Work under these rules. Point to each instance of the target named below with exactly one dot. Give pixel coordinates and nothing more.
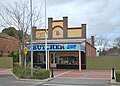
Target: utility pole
(31, 39)
(46, 39)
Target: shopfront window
(39, 57)
(68, 60)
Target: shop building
(90, 49)
(66, 47)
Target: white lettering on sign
(56, 47)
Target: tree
(11, 31)
(18, 15)
(114, 50)
(117, 42)
(101, 42)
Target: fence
(6, 62)
(103, 63)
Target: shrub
(18, 71)
(117, 73)
(37, 73)
(41, 73)
(15, 56)
(0, 54)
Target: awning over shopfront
(57, 41)
(58, 45)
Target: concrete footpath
(71, 74)
(60, 73)
(114, 83)
(5, 71)
(91, 74)
(86, 75)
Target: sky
(101, 16)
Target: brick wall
(90, 50)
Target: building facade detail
(66, 46)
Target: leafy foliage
(117, 73)
(13, 32)
(117, 42)
(0, 55)
(19, 71)
(15, 56)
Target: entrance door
(53, 59)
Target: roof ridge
(6, 36)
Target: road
(9, 80)
(76, 82)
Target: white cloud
(54, 3)
(101, 16)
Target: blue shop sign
(56, 47)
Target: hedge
(117, 73)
